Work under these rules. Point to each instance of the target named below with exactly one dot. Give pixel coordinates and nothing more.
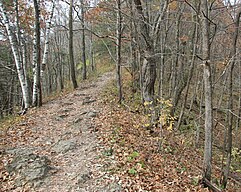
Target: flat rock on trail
(61, 138)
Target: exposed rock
(79, 94)
(19, 151)
(57, 118)
(30, 168)
(64, 146)
(66, 110)
(88, 100)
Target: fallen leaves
(140, 164)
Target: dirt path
(62, 131)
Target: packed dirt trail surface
(64, 131)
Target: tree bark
(71, 51)
(46, 41)
(190, 73)
(14, 46)
(37, 92)
(118, 50)
(207, 168)
(149, 63)
(226, 169)
(84, 72)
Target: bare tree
(71, 51)
(205, 23)
(84, 72)
(232, 57)
(118, 49)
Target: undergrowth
(140, 161)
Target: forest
(174, 97)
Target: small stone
(92, 114)
(77, 120)
(88, 101)
(63, 116)
(82, 178)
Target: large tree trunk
(149, 63)
(207, 91)
(84, 72)
(135, 66)
(71, 51)
(37, 93)
(149, 76)
(14, 46)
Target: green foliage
(132, 171)
(80, 65)
(236, 154)
(195, 181)
(181, 168)
(133, 155)
(236, 158)
(108, 152)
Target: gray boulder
(64, 146)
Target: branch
(207, 183)
(109, 51)
(6, 67)
(194, 9)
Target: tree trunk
(91, 56)
(84, 72)
(149, 77)
(133, 52)
(14, 46)
(207, 91)
(118, 50)
(71, 51)
(37, 93)
(149, 63)
(190, 73)
(46, 41)
(226, 169)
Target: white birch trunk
(46, 42)
(17, 59)
(37, 94)
(35, 88)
